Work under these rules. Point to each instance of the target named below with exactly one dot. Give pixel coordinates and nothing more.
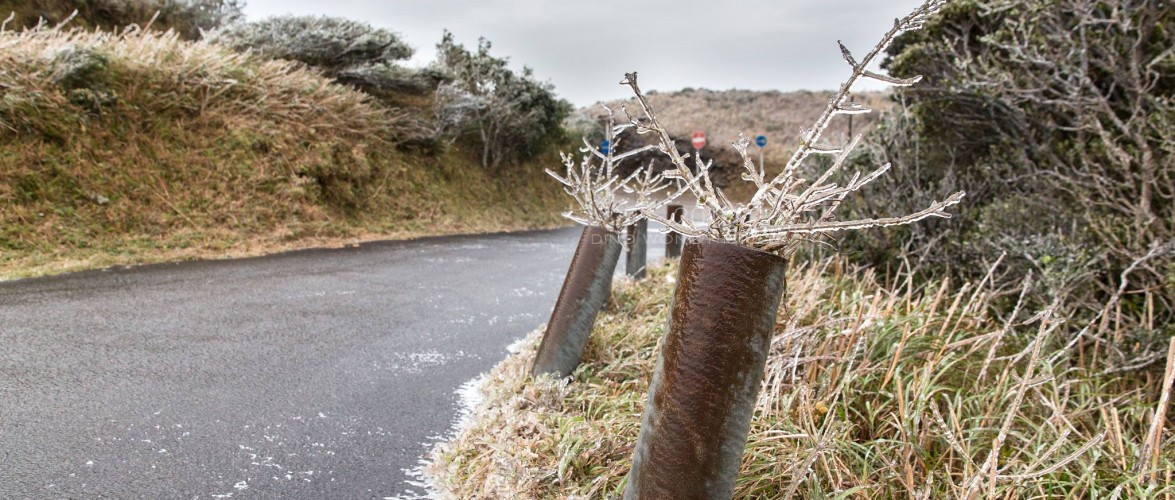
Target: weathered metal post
(708, 372)
(585, 291)
(674, 239)
(638, 244)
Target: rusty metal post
(638, 245)
(674, 239)
(708, 372)
(585, 291)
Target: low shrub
(1058, 120)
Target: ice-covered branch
(788, 206)
(937, 209)
(594, 184)
(837, 104)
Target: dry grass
(173, 149)
(871, 392)
(27, 13)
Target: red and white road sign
(699, 140)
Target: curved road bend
(312, 374)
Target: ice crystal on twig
(594, 184)
(789, 207)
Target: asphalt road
(312, 374)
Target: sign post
(761, 141)
(605, 146)
(698, 140)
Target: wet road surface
(312, 374)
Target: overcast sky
(584, 48)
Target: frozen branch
(777, 214)
(594, 184)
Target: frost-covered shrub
(1058, 119)
(79, 67)
(191, 18)
(82, 74)
(330, 43)
(455, 108)
(351, 52)
(383, 78)
(511, 116)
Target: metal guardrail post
(638, 244)
(674, 239)
(585, 291)
(708, 372)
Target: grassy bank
(142, 147)
(870, 392)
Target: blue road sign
(761, 141)
(604, 146)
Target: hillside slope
(723, 114)
(140, 147)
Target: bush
(77, 67)
(193, 17)
(510, 116)
(352, 53)
(332, 44)
(82, 74)
(384, 80)
(1058, 119)
(474, 97)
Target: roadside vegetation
(1022, 348)
(1061, 128)
(139, 145)
(872, 390)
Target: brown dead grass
(871, 391)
